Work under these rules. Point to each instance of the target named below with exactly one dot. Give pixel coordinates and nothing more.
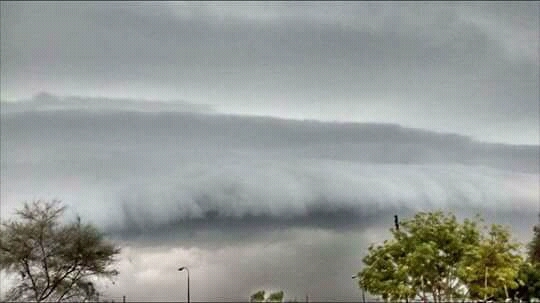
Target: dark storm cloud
(161, 171)
(443, 63)
(260, 203)
(364, 142)
(291, 260)
(272, 202)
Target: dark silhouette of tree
(54, 260)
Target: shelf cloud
(269, 142)
(148, 172)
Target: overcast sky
(470, 68)
(251, 203)
(146, 119)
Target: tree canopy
(534, 246)
(527, 284)
(259, 296)
(434, 255)
(54, 261)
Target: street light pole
(362, 288)
(181, 269)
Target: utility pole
(396, 222)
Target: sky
(470, 68)
(266, 145)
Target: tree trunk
(422, 285)
(485, 284)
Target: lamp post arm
(187, 269)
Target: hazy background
(266, 145)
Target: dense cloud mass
(205, 187)
(153, 169)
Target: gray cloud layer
(270, 202)
(161, 169)
(471, 69)
(250, 202)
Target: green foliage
(434, 255)
(275, 297)
(492, 264)
(528, 283)
(534, 246)
(54, 261)
(384, 275)
(528, 279)
(259, 296)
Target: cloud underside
(149, 173)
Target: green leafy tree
(528, 284)
(423, 259)
(528, 279)
(420, 259)
(54, 262)
(259, 296)
(491, 265)
(434, 243)
(384, 274)
(534, 246)
(275, 297)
